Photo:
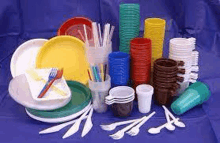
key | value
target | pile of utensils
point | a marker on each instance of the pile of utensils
(169, 125)
(183, 49)
(133, 129)
(75, 127)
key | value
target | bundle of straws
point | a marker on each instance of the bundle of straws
(97, 71)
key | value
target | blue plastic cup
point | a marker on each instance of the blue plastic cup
(194, 95)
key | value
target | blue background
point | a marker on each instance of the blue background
(21, 20)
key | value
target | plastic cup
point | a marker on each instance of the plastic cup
(144, 96)
(194, 95)
(99, 92)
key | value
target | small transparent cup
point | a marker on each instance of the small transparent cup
(99, 92)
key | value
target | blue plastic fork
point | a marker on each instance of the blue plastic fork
(52, 75)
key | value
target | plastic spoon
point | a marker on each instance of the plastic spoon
(176, 122)
(157, 129)
(169, 126)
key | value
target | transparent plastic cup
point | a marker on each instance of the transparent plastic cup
(99, 92)
(98, 55)
(144, 96)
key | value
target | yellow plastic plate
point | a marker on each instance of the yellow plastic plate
(65, 52)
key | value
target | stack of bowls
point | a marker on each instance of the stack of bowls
(129, 23)
(121, 98)
(119, 67)
(181, 49)
(165, 80)
(140, 61)
(155, 30)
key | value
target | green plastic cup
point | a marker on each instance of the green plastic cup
(194, 95)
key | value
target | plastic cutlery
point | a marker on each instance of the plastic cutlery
(112, 126)
(176, 122)
(58, 127)
(158, 129)
(88, 125)
(75, 127)
(169, 126)
(135, 130)
(118, 135)
(54, 75)
(35, 76)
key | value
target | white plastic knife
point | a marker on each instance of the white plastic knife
(58, 127)
(75, 127)
(88, 125)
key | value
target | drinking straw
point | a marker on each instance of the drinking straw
(95, 34)
(106, 34)
(98, 74)
(100, 35)
(80, 33)
(102, 72)
(85, 32)
(111, 33)
(95, 74)
(89, 75)
(105, 69)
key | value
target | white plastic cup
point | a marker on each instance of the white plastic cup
(99, 92)
(144, 96)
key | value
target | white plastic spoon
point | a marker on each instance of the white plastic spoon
(157, 129)
(169, 126)
(176, 122)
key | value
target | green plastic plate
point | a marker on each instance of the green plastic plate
(81, 97)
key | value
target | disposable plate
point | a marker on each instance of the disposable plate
(65, 52)
(25, 55)
(19, 90)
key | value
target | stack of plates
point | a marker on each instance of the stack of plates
(129, 22)
(181, 49)
(65, 52)
(48, 111)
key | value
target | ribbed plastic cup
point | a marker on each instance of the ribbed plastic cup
(194, 95)
(155, 30)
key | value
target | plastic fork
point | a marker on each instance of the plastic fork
(54, 74)
(118, 135)
(36, 77)
(112, 126)
(135, 130)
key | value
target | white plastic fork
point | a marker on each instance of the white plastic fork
(112, 126)
(118, 135)
(135, 130)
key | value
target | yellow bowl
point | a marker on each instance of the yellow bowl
(65, 52)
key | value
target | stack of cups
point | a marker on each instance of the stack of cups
(165, 80)
(121, 98)
(155, 30)
(144, 95)
(129, 23)
(99, 91)
(140, 61)
(181, 49)
(119, 67)
(195, 94)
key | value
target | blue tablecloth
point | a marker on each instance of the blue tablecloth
(21, 20)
